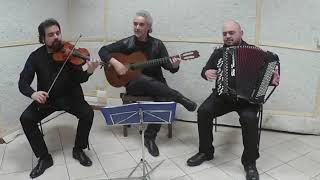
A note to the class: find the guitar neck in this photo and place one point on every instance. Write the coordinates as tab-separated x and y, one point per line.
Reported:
150	63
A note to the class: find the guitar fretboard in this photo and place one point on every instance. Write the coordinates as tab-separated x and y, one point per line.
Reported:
150	63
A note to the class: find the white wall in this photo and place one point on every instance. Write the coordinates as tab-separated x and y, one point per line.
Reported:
19	20
288	28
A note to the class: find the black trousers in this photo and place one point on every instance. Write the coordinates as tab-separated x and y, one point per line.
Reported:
148	86
215	106
32	115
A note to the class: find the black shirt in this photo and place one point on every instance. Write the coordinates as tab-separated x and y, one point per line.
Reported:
41	64
153	49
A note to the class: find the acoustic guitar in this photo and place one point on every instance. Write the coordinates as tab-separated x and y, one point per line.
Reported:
136	62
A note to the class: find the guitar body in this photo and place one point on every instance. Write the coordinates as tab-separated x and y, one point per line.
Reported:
136	62
116	80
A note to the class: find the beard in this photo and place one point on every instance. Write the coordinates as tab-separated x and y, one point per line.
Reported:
56	46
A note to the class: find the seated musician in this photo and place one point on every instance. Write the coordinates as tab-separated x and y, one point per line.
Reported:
151	82
66	94
216	105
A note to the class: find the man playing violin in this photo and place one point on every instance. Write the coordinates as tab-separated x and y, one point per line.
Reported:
151	82
65	94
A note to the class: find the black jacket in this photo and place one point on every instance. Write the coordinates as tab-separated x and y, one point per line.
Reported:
153	48
41	64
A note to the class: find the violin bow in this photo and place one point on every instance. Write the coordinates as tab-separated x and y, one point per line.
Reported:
65	62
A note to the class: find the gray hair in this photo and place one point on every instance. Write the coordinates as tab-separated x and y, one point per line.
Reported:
147	16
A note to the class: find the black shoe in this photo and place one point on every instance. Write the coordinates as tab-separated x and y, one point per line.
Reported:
199	158
151	146
81	157
42	165
188	104
251	172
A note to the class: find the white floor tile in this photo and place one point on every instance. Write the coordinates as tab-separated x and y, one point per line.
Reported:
102	135
183	178
123	174
17	158
166	171
67	134
269	139
132	142
316	178
117	162
306	165
234	169
222	138
99	177
211	173
285	172
266	177
267	162
110	147
16	176
314	155
222	156
281	153
297	146
77	171
236	149
57	156
313	141
52	139
2	150
55	172
173	147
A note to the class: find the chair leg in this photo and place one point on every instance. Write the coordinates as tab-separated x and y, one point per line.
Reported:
125	130
215	124
40	126
260	113
169	130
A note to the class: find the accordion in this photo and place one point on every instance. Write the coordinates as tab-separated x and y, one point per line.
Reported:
245	72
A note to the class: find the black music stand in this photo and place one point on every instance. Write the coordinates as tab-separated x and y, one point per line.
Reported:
141	113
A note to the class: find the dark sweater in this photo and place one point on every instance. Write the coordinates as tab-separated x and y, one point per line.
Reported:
41	64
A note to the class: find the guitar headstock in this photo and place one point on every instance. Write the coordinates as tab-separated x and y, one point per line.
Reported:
189	55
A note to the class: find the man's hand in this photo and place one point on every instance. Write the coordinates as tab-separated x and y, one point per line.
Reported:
211	74
118	66
92	65
40	96
275	77
175	62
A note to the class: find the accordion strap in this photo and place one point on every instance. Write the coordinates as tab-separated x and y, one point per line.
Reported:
274	88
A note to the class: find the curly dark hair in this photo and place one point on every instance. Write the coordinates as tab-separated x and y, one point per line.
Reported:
45	24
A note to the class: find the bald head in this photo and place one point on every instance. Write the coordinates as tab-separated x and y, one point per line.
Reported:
232	33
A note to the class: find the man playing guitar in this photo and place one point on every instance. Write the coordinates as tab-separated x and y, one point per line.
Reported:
151	82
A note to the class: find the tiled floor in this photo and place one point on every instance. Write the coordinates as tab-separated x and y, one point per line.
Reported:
283	156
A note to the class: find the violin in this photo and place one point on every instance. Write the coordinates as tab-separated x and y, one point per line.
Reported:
68	53
78	57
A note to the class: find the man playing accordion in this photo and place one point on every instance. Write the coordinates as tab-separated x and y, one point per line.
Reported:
218	104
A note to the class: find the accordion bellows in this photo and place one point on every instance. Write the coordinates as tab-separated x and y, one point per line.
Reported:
245	72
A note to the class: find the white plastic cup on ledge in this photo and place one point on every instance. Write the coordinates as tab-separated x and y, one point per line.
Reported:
102	96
